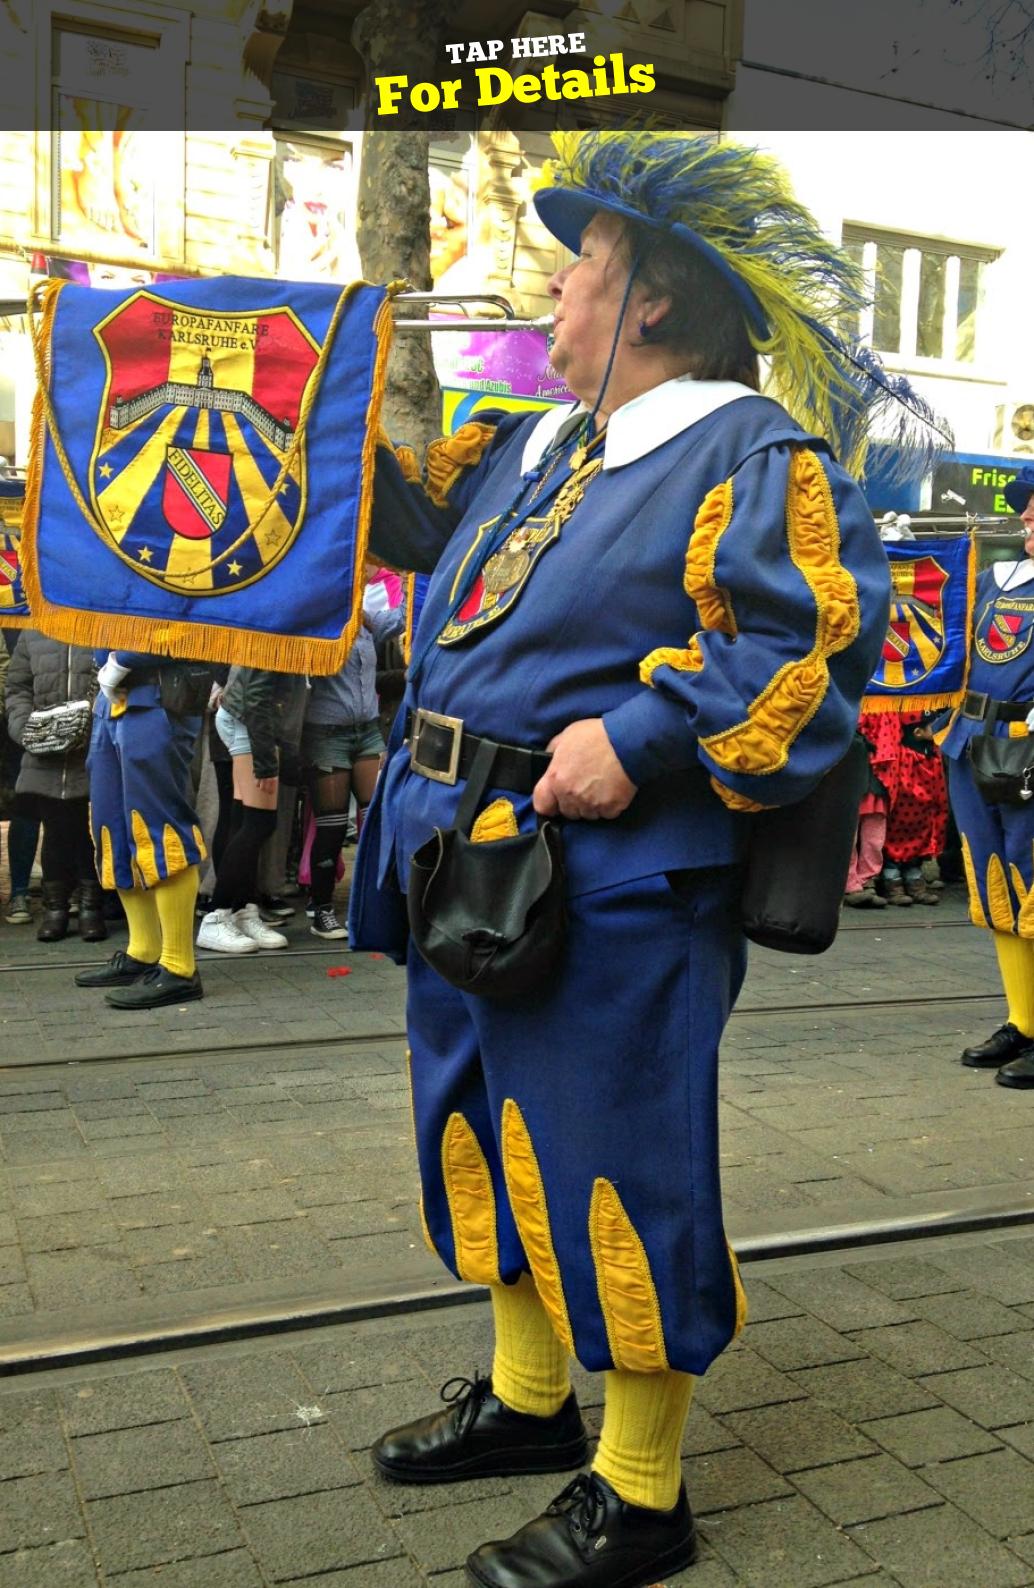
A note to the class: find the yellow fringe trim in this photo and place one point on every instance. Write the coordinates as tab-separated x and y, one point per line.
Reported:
628	1297
737	802
145	860
107	863
408	463
691	660
498	820
884	705
190	640
742	1309
531	1215
998	902
712	601
468	1186
447	457
787	704
16	620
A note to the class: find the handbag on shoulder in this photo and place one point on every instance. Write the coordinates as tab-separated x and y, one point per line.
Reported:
798	859
490	918
59	729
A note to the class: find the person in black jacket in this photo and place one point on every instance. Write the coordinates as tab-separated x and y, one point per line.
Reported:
54	788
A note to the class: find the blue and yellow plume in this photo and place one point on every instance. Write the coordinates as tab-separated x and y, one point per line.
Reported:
735	206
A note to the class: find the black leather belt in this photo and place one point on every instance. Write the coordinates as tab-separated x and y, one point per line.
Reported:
981	708
441	748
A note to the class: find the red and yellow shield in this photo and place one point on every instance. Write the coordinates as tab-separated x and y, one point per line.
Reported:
199	414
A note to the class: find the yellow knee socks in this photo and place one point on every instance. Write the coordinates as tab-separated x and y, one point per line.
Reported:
1016	965
643	1418
145	936
174	901
529	1369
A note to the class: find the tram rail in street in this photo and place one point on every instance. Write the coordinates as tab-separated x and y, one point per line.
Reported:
45	1347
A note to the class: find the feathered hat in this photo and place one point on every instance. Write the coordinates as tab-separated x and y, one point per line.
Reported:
734	206
1019	491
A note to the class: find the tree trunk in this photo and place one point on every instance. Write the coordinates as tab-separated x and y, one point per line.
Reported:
396	37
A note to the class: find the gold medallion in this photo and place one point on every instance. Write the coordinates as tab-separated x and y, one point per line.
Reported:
505	569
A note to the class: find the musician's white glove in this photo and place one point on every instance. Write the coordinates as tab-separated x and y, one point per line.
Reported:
110	677
1029	719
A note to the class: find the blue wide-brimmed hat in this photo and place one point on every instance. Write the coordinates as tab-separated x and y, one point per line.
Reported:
734	206
1019	491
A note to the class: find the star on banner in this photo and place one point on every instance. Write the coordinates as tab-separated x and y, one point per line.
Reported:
234	568
105	471
145	553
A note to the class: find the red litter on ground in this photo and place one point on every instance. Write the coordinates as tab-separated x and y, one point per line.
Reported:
339	970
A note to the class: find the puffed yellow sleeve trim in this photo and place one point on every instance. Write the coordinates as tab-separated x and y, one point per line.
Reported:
762	743
691	660
713	518
736	802
447	458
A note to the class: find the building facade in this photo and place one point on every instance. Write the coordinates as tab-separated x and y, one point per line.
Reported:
103	192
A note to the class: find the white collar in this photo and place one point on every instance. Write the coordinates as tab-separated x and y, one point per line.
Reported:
1009	575
647	422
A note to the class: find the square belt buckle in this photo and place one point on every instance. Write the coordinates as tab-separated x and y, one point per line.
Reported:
437	720
974	705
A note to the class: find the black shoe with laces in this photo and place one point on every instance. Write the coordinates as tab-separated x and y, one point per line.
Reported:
274	908
1002	1045
156	987
590	1538
477	1436
120	971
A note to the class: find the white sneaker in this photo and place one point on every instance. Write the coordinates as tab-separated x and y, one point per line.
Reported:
250	922
219	931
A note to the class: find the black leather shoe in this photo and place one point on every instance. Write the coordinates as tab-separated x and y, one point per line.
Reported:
154	988
120	970
1020	1072
478	1437
590	1538
1001	1046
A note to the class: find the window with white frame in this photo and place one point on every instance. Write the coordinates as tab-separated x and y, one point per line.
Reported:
924	292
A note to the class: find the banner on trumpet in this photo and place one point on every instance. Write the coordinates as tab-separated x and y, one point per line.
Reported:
201	472
925	655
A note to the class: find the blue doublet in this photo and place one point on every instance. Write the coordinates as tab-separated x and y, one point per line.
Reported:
718	595
997	840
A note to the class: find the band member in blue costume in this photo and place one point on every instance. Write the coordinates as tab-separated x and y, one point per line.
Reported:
146	835
664	604
998	840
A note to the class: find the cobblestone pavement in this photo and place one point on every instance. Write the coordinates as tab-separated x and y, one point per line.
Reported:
150	1187
874	1426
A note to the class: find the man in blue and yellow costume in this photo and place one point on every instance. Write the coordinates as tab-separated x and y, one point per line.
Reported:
664	606
998	840
145	831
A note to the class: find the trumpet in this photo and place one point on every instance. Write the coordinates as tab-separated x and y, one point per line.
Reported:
456	303
900	526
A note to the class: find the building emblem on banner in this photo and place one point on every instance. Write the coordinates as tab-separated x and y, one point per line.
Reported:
199	413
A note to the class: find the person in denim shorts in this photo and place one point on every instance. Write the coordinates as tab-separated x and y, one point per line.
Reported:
342	747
